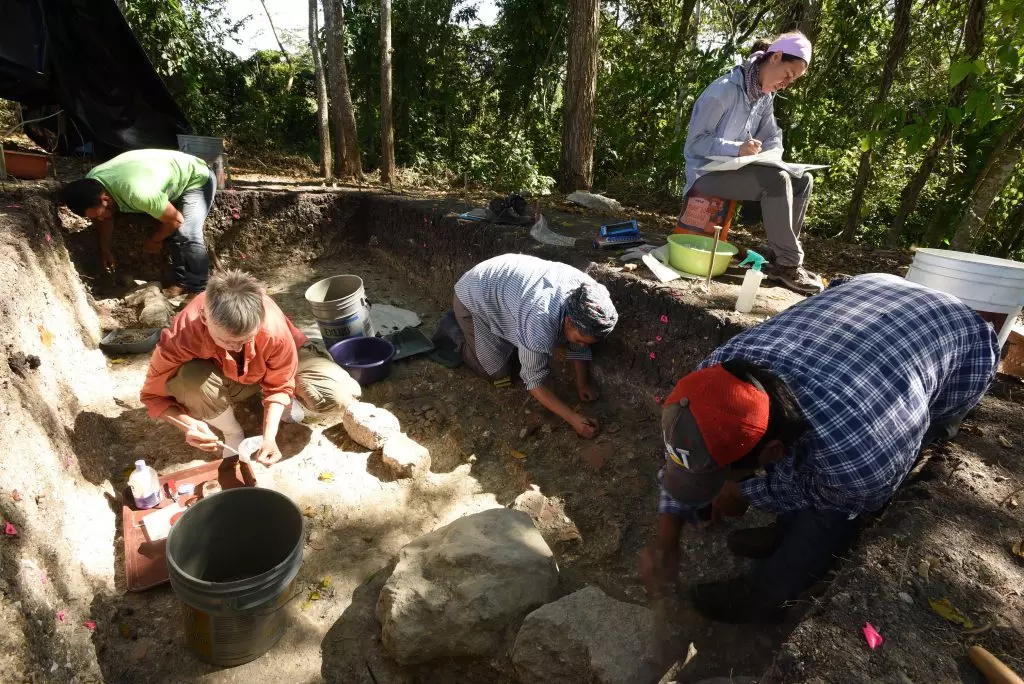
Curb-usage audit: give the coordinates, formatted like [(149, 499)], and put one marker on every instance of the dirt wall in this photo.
[(52, 368)]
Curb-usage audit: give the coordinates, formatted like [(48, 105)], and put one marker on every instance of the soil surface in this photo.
[(487, 446)]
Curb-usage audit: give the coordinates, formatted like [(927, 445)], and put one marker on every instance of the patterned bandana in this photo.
[(752, 77)]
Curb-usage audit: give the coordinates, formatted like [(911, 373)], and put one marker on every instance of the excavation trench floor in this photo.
[(359, 520)]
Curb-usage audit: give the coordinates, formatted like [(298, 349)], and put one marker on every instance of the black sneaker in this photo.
[(795, 278), (735, 601), (755, 542)]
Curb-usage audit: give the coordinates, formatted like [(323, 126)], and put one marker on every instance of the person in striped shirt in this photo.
[(519, 303)]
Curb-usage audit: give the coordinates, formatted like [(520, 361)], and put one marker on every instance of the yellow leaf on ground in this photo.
[(518, 455), (945, 609), (1005, 442), (326, 582), (306, 605), (45, 335), (326, 476), (117, 361), (314, 596)]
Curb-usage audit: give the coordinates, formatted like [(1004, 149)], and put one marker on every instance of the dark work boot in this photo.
[(735, 601), (755, 542)]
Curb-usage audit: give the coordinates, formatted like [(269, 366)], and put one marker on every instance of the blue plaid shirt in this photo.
[(872, 362), (518, 302)]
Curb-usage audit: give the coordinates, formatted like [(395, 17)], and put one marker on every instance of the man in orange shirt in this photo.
[(227, 344)]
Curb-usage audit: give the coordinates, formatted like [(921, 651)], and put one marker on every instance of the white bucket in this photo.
[(992, 287)]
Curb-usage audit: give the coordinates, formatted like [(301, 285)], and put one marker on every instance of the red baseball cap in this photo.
[(710, 420)]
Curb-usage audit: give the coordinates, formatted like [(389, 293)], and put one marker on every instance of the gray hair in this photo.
[(590, 309), (234, 301)]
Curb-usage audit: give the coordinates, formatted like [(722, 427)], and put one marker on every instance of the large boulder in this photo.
[(457, 590), (589, 638)]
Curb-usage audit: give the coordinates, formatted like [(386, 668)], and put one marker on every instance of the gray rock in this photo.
[(589, 638), (457, 590), (369, 425), (405, 457), (548, 515)]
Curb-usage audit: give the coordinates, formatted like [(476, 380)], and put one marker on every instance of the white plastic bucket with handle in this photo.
[(993, 287)]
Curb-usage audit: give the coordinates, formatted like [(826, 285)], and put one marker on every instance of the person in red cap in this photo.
[(816, 415)]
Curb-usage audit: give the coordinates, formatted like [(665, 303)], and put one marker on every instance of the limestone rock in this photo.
[(548, 515), (457, 590), (154, 310), (369, 425), (405, 457), (586, 637)]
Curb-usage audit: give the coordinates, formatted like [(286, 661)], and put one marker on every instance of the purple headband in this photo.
[(795, 44)]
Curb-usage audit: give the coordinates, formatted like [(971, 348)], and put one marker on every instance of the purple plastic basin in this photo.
[(367, 359)]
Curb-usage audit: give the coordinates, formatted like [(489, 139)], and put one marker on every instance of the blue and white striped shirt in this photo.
[(872, 363), (518, 302)]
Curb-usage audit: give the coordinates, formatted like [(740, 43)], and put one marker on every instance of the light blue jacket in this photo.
[(723, 119)]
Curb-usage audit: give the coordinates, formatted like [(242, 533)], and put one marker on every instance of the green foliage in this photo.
[(484, 104)]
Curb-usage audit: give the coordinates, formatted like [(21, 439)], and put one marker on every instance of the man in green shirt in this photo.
[(173, 187)]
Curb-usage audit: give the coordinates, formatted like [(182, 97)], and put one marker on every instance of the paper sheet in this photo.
[(770, 158)]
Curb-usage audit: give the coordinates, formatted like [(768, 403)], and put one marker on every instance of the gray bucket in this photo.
[(232, 560), (341, 309)]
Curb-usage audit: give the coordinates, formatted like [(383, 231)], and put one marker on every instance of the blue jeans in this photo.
[(811, 541), (187, 246)]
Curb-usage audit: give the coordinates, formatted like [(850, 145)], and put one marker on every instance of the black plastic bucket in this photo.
[(232, 561)]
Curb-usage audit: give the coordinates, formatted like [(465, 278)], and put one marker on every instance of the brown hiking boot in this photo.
[(796, 278), (755, 542)]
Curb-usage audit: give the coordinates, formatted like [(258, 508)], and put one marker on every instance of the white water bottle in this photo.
[(751, 281), (145, 486)]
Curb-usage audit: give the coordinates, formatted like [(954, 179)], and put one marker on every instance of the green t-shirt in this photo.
[(144, 181)]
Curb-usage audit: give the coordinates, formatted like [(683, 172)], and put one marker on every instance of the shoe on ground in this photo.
[(734, 601), (796, 278), (755, 542)]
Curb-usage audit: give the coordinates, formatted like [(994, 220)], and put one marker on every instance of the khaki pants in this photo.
[(320, 385), (783, 199)]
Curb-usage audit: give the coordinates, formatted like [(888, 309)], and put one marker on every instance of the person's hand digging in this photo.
[(658, 569), (588, 392), (729, 503), (269, 453), (107, 260), (585, 427), (201, 436)]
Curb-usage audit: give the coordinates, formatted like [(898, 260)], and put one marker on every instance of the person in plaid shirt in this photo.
[(833, 398)]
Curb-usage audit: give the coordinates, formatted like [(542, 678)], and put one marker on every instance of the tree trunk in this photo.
[(974, 39), (990, 182), (342, 113), (280, 47), (387, 131), (323, 124), (683, 32), (893, 56), (577, 167), (1013, 232)]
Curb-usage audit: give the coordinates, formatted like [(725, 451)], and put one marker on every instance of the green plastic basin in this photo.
[(692, 254)]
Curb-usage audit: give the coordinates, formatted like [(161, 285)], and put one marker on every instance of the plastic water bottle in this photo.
[(145, 486), (751, 281)]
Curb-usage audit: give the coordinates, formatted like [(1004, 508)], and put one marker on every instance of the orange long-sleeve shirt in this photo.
[(271, 357)]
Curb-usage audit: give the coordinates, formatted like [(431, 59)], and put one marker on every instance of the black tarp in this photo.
[(81, 56)]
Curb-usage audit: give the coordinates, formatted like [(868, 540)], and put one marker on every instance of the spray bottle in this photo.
[(751, 281)]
